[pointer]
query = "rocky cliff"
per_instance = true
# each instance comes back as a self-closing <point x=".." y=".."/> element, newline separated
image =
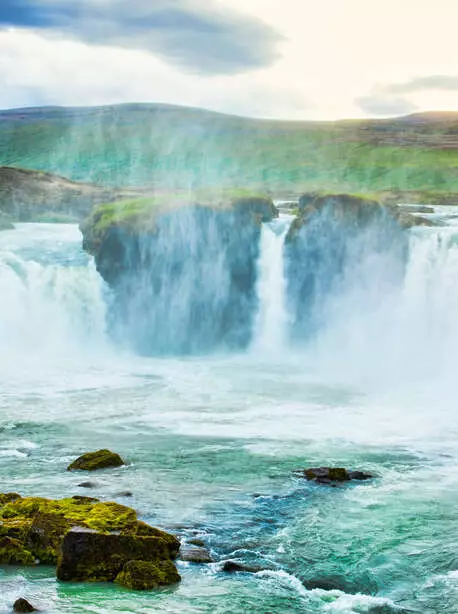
<point x="182" y="270"/>
<point x="336" y="241"/>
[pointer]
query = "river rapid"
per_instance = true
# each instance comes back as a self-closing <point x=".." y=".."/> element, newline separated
<point x="212" y="442"/>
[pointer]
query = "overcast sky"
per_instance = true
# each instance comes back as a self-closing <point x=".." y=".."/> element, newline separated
<point x="296" y="59"/>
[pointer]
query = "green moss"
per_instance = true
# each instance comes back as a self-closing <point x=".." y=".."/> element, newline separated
<point x="143" y="575"/>
<point x="140" y="214"/>
<point x="18" y="528"/>
<point x="141" y="529"/>
<point x="7" y="497"/>
<point x="13" y="552"/>
<point x="91" y="461"/>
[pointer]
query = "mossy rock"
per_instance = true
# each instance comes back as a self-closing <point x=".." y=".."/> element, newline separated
<point x="141" y="529"/>
<point x="88" y="556"/>
<point x="39" y="525"/>
<point x="144" y="575"/>
<point x="13" y="552"/>
<point x="91" y="461"/>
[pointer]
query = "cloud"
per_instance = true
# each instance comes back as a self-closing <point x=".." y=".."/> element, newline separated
<point x="383" y="104"/>
<point x="38" y="70"/>
<point x="431" y="82"/>
<point x="202" y="36"/>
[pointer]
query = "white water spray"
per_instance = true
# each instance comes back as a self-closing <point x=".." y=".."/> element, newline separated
<point x="52" y="299"/>
<point x="271" y="327"/>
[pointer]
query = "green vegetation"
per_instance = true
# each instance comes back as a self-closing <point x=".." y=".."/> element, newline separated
<point x="140" y="214"/>
<point x="179" y="148"/>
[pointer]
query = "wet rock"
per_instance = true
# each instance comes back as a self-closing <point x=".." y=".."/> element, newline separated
<point x="235" y="567"/>
<point x="331" y="475"/>
<point x="195" y="554"/>
<point x="88" y="556"/>
<point x="87" y="485"/>
<point x="145" y="575"/>
<point x="91" y="461"/>
<point x="125" y="493"/>
<point x="22" y="605"/>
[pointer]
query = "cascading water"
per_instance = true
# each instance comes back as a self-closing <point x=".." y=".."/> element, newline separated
<point x="271" y="326"/>
<point x="52" y="296"/>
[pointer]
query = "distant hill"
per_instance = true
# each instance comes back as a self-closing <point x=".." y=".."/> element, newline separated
<point x="27" y="195"/>
<point x="171" y="147"/>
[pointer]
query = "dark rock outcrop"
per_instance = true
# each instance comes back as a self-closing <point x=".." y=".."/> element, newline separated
<point x="183" y="270"/>
<point x="330" y="475"/>
<point x="145" y="575"/>
<point x="22" y="606"/>
<point x="335" y="241"/>
<point x="88" y="556"/>
<point x="235" y="567"/>
<point x="91" y="461"/>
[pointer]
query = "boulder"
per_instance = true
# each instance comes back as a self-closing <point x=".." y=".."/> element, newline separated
<point x="331" y="475"/>
<point x="22" y="605"/>
<point x="88" y="556"/>
<point x="91" y="461"/>
<point x="195" y="554"/>
<point x="32" y="531"/>
<point x="146" y="575"/>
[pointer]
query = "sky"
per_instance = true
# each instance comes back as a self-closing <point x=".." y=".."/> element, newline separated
<point x="291" y="59"/>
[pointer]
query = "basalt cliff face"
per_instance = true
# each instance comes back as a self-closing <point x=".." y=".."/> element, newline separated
<point x="340" y="241"/>
<point x="182" y="271"/>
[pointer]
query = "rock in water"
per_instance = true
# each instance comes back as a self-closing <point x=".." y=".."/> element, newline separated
<point x="145" y="575"/>
<point x="99" y="557"/>
<point x="330" y="475"/>
<point x="33" y="529"/>
<point x="22" y="605"/>
<point x="195" y="554"/>
<point x="91" y="461"/>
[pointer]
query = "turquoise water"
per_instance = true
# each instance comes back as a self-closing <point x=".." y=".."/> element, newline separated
<point x="212" y="443"/>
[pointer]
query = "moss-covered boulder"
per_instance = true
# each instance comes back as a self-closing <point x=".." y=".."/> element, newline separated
<point x="91" y="461"/>
<point x="145" y="575"/>
<point x="89" y="556"/>
<point x="182" y="268"/>
<point x="32" y="530"/>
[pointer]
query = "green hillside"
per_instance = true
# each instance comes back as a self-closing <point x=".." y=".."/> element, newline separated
<point x="177" y="147"/>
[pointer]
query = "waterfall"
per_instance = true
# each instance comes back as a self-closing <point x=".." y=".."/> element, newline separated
<point x="271" y="326"/>
<point x="52" y="296"/>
